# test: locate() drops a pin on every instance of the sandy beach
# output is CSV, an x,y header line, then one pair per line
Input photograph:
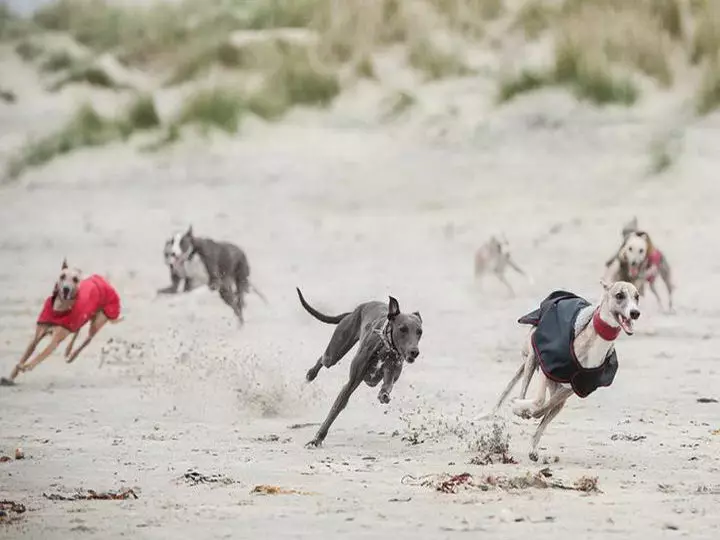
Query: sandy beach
x,y
352,210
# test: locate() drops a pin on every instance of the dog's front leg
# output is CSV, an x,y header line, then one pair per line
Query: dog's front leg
x,y
526,408
391,374
95,325
340,403
68,349
58,335
40,333
559,396
174,284
552,413
358,367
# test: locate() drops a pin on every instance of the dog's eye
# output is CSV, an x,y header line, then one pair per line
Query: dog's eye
x,y
637,297
620,296
630,249
75,279
63,276
404,329
419,332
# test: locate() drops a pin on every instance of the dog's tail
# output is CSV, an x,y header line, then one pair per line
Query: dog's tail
x,y
254,289
329,319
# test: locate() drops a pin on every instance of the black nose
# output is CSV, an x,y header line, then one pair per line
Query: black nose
x,y
414,353
66,289
634,314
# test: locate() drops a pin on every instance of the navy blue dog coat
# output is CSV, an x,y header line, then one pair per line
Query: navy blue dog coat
x,y
554,323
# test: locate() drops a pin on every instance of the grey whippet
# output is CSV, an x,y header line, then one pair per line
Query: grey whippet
x,y
227,267
387,338
572,342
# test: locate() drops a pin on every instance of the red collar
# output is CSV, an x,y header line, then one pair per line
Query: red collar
x,y
603,329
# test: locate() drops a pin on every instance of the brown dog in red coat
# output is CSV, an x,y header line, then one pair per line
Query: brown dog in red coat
x,y
73,303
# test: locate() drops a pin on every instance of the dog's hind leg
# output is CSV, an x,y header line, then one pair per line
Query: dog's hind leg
x,y
505,282
68,349
655,292
96,325
231,298
666,276
58,335
549,416
345,336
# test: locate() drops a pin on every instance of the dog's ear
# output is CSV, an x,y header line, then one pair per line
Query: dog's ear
x,y
417,314
605,285
189,231
393,308
64,264
649,242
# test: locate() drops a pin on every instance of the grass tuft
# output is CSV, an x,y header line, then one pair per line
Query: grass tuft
x,y
708,97
534,17
591,78
398,104
221,108
424,56
58,61
85,129
526,81
28,50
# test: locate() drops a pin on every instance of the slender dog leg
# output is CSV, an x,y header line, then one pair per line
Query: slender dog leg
x,y
95,325
505,282
230,298
552,413
655,292
515,267
390,377
525,408
68,349
58,334
173,287
557,396
667,279
40,333
340,403
345,336
529,367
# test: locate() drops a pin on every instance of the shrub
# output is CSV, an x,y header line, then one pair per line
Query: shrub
x,y
526,81
217,107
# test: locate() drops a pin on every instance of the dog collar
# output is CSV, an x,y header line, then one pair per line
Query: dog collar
x,y
603,329
385,334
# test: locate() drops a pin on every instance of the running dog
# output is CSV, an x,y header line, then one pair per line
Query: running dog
x,y
639,262
387,339
182,264
494,256
572,341
73,303
226,265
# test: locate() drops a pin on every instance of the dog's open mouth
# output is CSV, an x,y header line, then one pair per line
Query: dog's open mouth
x,y
625,323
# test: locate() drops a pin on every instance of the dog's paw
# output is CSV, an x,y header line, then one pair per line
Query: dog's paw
x,y
313,444
533,455
521,411
384,398
4,381
311,375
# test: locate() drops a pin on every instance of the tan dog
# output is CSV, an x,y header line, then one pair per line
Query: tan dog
x,y
573,343
73,303
494,257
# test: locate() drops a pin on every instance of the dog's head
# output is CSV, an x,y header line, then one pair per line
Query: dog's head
x,y
621,300
635,251
178,248
66,286
499,245
405,331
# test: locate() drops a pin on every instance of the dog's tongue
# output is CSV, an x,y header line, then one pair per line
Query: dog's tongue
x,y
626,325
634,271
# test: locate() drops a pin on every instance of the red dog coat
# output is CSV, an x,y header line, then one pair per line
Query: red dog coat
x,y
94,295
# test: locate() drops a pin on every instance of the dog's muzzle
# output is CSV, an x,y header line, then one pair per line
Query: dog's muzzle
x,y
412,355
